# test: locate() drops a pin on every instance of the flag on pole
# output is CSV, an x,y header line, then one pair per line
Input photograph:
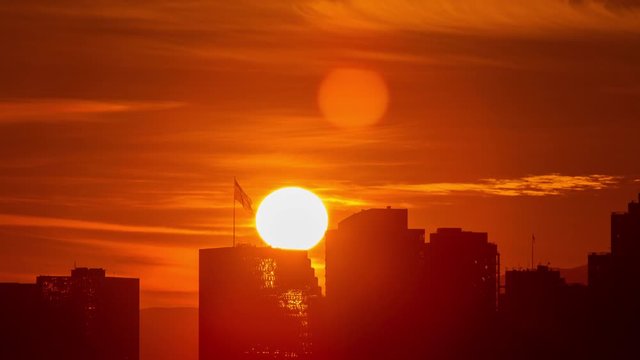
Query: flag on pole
x,y
240,196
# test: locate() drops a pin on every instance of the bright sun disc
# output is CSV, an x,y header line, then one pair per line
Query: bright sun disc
x,y
292,218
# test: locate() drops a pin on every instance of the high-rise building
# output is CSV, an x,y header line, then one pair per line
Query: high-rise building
x,y
625,232
614,287
18,314
532,296
462,280
85,316
374,283
254,303
544,316
600,277
463,272
614,278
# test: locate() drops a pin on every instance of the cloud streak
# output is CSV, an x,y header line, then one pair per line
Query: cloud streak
x,y
37,221
71,109
490,16
534,185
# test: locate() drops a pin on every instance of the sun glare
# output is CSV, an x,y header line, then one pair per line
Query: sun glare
x,y
292,218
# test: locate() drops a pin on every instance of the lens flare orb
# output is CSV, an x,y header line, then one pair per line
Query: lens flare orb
x,y
292,218
352,98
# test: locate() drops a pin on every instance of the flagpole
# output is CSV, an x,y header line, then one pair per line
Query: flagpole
x,y
234,211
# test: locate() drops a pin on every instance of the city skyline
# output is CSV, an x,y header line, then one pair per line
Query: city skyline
x,y
319,179
86,315
578,274
122,125
442,297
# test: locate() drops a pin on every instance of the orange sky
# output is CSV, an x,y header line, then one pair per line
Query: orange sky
x,y
122,125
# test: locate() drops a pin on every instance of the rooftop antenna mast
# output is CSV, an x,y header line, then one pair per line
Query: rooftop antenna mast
x,y
533,242
234,211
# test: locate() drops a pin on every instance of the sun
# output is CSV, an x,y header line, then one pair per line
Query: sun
x,y
292,218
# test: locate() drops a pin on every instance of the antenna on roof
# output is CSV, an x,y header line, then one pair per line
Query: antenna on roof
x,y
533,242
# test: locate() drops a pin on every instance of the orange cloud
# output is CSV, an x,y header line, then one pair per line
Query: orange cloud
x,y
47,109
535,185
37,221
494,16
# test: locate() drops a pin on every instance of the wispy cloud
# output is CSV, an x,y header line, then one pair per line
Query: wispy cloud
x,y
50,109
345,201
533,185
495,16
37,221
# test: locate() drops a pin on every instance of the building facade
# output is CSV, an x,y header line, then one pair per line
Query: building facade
x,y
254,303
83,316
463,271
374,285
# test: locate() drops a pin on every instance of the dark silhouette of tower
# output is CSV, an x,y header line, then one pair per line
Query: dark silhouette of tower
x,y
600,279
390,295
625,254
463,270
614,285
373,277
625,232
18,315
463,276
254,303
531,297
83,316
543,316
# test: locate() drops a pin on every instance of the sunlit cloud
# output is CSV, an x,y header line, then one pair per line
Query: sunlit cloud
x,y
534,185
43,110
344,201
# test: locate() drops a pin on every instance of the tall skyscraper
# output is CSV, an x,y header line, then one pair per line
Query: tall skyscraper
x,y
462,279
463,272
543,316
622,308
614,287
616,276
532,297
86,316
18,315
625,232
625,253
600,277
254,303
373,279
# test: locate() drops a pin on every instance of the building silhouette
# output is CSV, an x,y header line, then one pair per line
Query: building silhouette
x,y
83,316
614,285
463,271
19,330
600,277
542,316
625,233
254,303
531,296
374,280
391,295
463,277
625,256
